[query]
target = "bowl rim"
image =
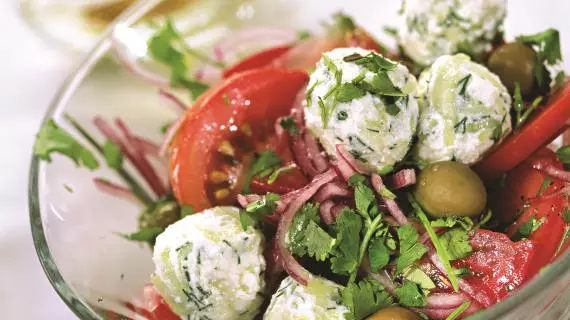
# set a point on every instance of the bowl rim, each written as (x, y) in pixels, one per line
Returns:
(83, 309)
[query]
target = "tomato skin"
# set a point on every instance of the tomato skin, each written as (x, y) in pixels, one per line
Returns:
(257, 60)
(549, 122)
(499, 265)
(523, 183)
(154, 307)
(257, 97)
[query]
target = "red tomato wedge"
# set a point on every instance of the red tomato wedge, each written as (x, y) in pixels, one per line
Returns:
(499, 265)
(257, 60)
(214, 145)
(544, 126)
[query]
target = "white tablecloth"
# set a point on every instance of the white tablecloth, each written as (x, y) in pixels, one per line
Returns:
(30, 73)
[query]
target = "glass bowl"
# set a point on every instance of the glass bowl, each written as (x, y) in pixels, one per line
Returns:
(75, 226)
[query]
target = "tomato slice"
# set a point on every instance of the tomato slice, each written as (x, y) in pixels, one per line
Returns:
(545, 125)
(214, 144)
(499, 265)
(257, 60)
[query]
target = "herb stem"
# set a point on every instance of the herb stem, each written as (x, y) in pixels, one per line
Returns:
(440, 250)
(372, 227)
(127, 178)
(200, 56)
(459, 311)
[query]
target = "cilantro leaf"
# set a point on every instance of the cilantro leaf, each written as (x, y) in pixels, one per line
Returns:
(378, 254)
(288, 124)
(548, 44)
(380, 84)
(416, 275)
(527, 228)
(365, 297)
(347, 231)
(449, 222)
(410, 295)
(297, 242)
(144, 235)
(456, 242)
(372, 61)
(319, 242)
(113, 155)
(410, 250)
(564, 154)
(186, 210)
(262, 166)
(53, 139)
(275, 175)
(348, 92)
(457, 312)
(257, 210)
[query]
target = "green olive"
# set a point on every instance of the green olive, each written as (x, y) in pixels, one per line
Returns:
(514, 62)
(394, 313)
(449, 188)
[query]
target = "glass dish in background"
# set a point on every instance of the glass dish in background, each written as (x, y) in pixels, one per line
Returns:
(75, 225)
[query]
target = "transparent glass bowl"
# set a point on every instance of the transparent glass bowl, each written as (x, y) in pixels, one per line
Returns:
(75, 226)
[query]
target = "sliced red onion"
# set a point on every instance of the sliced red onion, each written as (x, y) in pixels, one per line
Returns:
(170, 134)
(147, 147)
(319, 160)
(132, 61)
(384, 278)
(476, 295)
(208, 74)
(404, 178)
(298, 108)
(392, 206)
(292, 266)
(302, 156)
(131, 151)
(343, 169)
(354, 163)
(442, 313)
(552, 171)
(332, 190)
(445, 300)
(326, 212)
(173, 100)
(115, 190)
(424, 238)
(253, 38)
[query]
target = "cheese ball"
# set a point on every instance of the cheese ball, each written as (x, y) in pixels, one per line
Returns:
(364, 101)
(464, 111)
(433, 28)
(319, 300)
(208, 267)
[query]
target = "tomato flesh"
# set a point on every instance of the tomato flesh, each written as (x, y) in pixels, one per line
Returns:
(257, 60)
(499, 265)
(211, 150)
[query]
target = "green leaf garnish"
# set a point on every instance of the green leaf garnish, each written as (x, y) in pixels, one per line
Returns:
(113, 155)
(288, 124)
(275, 175)
(463, 84)
(529, 227)
(257, 210)
(348, 92)
(456, 242)
(263, 166)
(53, 139)
(144, 235)
(365, 297)
(449, 222)
(347, 231)
(378, 254)
(410, 250)
(564, 154)
(410, 295)
(457, 312)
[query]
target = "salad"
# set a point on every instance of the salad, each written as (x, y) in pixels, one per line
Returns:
(327, 176)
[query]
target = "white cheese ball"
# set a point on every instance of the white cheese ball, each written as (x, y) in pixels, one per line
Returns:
(432, 28)
(464, 111)
(377, 129)
(320, 300)
(208, 267)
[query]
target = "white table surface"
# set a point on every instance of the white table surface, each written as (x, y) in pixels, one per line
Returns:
(30, 73)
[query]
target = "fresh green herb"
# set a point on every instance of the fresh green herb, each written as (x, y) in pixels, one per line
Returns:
(347, 231)
(528, 228)
(356, 179)
(456, 242)
(385, 170)
(364, 298)
(364, 198)
(410, 250)
(309, 94)
(416, 275)
(113, 155)
(289, 125)
(373, 62)
(518, 99)
(348, 92)
(361, 76)
(378, 254)
(527, 113)
(275, 175)
(337, 73)
(342, 115)
(392, 31)
(163, 48)
(324, 112)
(53, 139)
(482, 221)
(254, 213)
(303, 35)
(263, 166)
(465, 223)
(566, 215)
(386, 193)
(320, 243)
(307, 237)
(439, 248)
(343, 23)
(545, 184)
(498, 131)
(186, 210)
(164, 128)
(463, 84)
(547, 46)
(410, 295)
(455, 314)
(144, 235)
(564, 154)
(392, 109)
(381, 84)
(68, 188)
